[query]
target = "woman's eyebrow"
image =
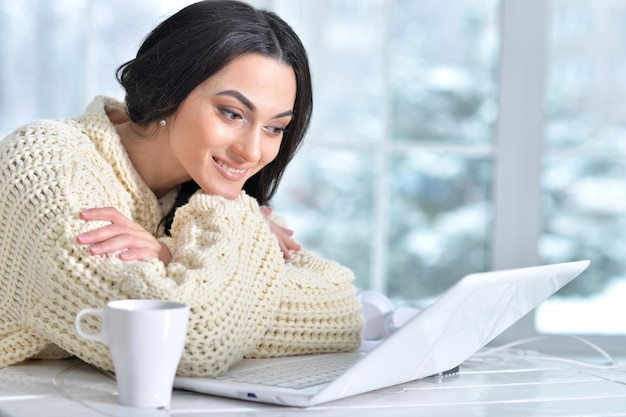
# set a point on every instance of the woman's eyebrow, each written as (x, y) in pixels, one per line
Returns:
(244, 100)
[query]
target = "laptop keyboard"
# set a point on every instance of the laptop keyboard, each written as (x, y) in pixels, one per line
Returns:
(298, 374)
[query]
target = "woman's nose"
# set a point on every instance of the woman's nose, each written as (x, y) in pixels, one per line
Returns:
(248, 146)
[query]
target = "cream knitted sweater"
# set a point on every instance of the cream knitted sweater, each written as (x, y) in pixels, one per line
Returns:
(245, 300)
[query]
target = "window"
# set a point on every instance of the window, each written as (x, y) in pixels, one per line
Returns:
(461, 137)
(584, 178)
(395, 177)
(447, 137)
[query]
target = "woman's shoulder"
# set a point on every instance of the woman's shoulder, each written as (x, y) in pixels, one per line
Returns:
(46, 146)
(50, 149)
(60, 156)
(82, 129)
(62, 134)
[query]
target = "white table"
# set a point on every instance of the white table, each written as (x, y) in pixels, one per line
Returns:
(498, 384)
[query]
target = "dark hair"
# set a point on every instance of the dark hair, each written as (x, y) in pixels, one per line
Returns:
(190, 47)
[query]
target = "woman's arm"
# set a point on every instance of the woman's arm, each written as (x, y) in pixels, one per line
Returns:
(318, 310)
(309, 286)
(136, 243)
(227, 265)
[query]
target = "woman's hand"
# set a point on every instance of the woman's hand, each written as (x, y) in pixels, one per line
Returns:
(135, 242)
(284, 235)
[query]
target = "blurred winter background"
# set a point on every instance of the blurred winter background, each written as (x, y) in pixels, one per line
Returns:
(396, 178)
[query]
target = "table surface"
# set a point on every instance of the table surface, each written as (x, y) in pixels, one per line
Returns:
(491, 383)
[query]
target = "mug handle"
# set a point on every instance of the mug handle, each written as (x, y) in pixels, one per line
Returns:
(98, 337)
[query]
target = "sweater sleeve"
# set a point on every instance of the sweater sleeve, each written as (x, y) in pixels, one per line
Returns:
(244, 299)
(318, 310)
(270, 308)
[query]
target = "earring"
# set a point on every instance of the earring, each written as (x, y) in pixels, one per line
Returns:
(163, 122)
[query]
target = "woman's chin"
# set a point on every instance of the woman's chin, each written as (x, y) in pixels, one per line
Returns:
(228, 194)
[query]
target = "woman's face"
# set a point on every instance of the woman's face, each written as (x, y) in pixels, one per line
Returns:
(231, 125)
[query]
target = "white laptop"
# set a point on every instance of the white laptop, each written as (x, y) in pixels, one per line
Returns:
(438, 339)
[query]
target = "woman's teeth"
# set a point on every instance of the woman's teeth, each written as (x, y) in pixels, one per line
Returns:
(230, 169)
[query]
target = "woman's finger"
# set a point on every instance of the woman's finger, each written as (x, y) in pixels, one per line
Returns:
(122, 234)
(116, 243)
(110, 231)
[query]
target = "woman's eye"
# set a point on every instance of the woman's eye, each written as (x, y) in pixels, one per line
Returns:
(275, 131)
(230, 114)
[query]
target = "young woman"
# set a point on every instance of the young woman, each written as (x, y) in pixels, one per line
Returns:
(161, 197)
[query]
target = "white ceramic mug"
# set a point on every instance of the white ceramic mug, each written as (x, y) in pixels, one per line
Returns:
(146, 339)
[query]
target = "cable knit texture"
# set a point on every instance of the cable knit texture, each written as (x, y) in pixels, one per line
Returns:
(245, 300)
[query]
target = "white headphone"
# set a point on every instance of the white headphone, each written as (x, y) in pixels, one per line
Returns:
(381, 318)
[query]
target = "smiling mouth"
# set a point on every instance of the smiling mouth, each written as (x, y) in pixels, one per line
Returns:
(229, 168)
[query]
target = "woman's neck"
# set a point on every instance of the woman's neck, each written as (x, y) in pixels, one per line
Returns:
(149, 151)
